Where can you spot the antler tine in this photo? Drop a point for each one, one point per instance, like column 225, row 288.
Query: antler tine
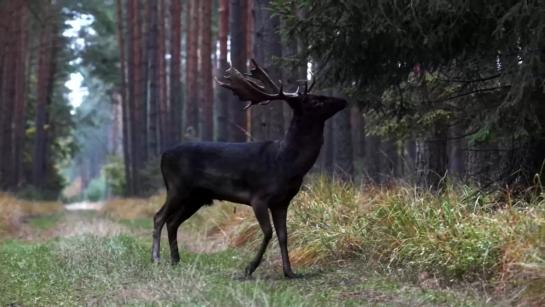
column 256, row 87
column 311, row 86
column 260, row 74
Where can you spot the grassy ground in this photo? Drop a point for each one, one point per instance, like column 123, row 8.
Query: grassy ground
column 100, row 267
column 354, row 246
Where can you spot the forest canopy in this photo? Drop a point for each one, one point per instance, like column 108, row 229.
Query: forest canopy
column 437, row 89
column 423, row 67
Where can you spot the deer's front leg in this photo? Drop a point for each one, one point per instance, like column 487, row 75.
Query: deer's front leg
column 262, row 215
column 279, row 215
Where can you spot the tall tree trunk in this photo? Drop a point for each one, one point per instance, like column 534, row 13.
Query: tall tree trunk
column 175, row 72
column 192, row 108
column 4, row 21
column 205, row 73
column 342, row 144
column 389, row 161
column 358, row 139
column 431, row 159
column 237, row 26
column 372, row 159
column 456, row 152
column 267, row 122
column 124, row 98
column 8, row 95
column 328, row 151
column 43, row 98
column 143, row 112
column 164, row 121
column 153, row 77
column 135, row 73
column 20, row 93
column 223, row 94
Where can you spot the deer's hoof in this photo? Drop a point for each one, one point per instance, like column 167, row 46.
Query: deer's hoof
column 248, row 271
column 175, row 261
column 291, row 275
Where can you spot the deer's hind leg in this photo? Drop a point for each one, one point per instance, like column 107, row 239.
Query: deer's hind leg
column 186, row 208
column 159, row 221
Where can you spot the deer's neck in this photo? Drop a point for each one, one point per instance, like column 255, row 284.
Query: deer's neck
column 301, row 145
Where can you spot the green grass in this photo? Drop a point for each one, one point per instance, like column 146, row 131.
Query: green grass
column 354, row 245
column 117, row 270
column 45, row 222
column 138, row 223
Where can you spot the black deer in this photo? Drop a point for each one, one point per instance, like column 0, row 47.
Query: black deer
column 263, row 175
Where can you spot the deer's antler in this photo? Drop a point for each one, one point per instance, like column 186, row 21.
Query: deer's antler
column 256, row 87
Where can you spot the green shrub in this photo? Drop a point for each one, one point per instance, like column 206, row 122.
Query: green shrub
column 114, row 172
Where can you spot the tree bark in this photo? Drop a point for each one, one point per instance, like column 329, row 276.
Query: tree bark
column 20, row 93
column 45, row 80
column 389, row 161
column 175, row 72
column 163, row 119
column 143, row 26
column 205, row 73
column 358, row 139
column 432, row 159
column 237, row 25
column 153, row 76
column 8, row 94
column 342, row 146
column 268, row 121
column 372, row 159
column 135, row 76
column 192, row 108
column 124, row 99
column 222, row 119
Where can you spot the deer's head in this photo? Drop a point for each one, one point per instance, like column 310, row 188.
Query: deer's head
column 258, row 88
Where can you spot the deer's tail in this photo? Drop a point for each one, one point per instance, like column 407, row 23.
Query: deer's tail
column 163, row 170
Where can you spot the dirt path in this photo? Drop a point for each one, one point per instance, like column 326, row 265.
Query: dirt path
column 84, row 205
column 86, row 219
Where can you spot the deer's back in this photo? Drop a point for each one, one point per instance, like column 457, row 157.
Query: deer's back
column 226, row 171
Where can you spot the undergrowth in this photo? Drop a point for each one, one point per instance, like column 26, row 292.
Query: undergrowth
column 13, row 211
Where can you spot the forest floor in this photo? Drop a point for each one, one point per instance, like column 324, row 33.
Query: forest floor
column 84, row 257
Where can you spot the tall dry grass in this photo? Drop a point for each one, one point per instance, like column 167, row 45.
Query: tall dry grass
column 460, row 234
column 13, row 211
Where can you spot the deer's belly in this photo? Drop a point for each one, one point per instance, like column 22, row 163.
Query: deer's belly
column 228, row 189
